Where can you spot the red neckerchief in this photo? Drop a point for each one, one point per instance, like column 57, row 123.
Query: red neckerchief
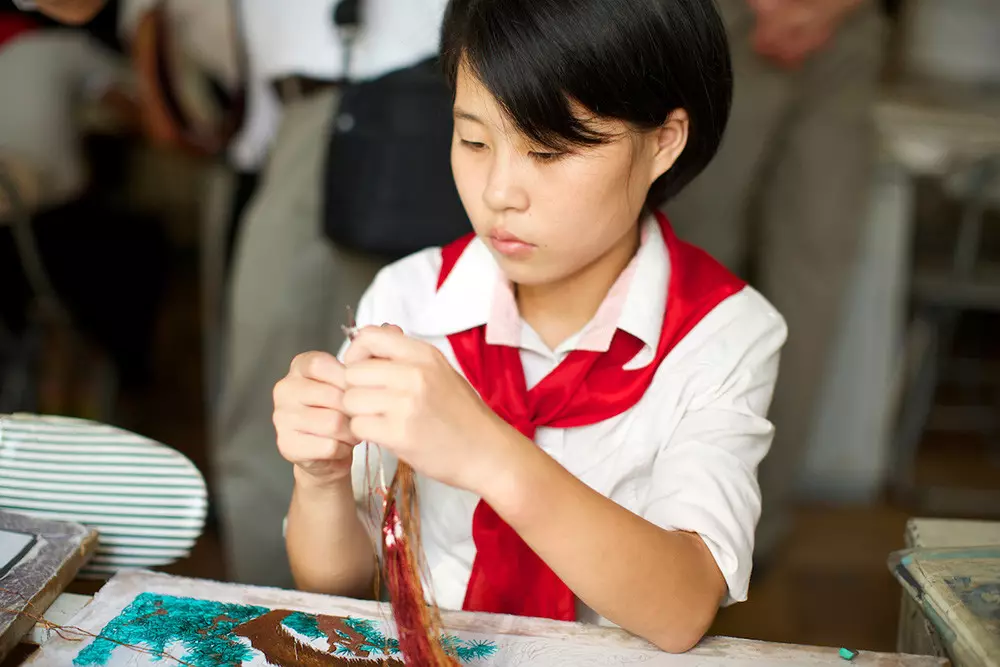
column 586, row 388
column 12, row 25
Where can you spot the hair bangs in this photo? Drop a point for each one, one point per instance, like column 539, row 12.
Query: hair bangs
column 524, row 65
column 557, row 66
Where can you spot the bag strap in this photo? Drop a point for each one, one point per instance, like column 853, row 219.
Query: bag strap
column 347, row 18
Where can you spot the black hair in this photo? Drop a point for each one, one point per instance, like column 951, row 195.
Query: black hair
column 632, row 60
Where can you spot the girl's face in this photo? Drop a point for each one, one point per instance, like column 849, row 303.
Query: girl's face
column 545, row 216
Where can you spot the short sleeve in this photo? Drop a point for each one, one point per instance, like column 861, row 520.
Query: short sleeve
column 704, row 477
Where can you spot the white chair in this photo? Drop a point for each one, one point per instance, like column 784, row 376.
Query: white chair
column 147, row 501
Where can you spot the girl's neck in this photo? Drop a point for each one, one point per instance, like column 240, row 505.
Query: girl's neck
column 559, row 309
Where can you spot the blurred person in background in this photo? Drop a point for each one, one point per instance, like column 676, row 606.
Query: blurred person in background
column 73, row 12
column 107, row 267
column 46, row 75
column 172, row 69
column 289, row 284
column 785, row 200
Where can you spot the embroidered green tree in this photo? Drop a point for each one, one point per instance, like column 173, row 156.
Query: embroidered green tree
column 155, row 622
column 211, row 634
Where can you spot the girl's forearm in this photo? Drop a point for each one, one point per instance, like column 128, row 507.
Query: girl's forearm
column 328, row 548
column 661, row 585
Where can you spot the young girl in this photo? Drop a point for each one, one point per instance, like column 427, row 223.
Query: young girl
column 582, row 395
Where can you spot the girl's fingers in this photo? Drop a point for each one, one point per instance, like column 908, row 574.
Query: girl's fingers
column 359, row 401
column 300, row 448
column 318, row 422
column 383, row 374
column 374, row 428
column 320, row 395
column 296, row 391
column 320, row 366
column 387, row 343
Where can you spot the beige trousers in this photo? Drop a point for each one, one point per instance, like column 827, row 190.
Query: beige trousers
column 288, row 293
column 783, row 204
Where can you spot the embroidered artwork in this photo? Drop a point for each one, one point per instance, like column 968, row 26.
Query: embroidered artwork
column 147, row 619
column 204, row 633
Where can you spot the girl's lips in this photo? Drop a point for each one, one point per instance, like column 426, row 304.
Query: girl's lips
column 509, row 245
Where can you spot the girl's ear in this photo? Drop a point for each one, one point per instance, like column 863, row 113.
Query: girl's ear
column 669, row 142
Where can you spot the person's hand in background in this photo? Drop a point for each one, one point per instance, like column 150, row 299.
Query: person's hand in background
column 789, row 31
column 74, row 12
column 164, row 123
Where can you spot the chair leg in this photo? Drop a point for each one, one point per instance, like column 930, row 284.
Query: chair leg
column 19, row 385
column 28, row 253
column 969, row 243
column 21, row 388
column 917, row 401
column 937, row 325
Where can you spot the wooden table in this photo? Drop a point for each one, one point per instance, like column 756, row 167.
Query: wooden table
column 950, row 572
column 38, row 578
column 265, row 616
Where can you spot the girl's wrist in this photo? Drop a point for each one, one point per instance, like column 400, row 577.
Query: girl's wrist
column 324, row 486
column 504, row 472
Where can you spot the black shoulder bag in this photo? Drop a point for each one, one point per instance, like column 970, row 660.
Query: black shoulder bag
column 388, row 184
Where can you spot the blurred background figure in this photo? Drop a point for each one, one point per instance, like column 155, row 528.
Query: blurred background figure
column 785, row 200
column 104, row 265
column 74, row 102
column 289, row 285
column 73, row 12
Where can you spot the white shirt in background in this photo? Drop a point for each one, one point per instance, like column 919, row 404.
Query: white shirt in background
column 300, row 37
column 204, row 29
column 287, row 38
column 44, row 77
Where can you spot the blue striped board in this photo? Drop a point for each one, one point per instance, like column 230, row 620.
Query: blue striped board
column 147, row 501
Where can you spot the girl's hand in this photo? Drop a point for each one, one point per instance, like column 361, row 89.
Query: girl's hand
column 313, row 431
column 403, row 394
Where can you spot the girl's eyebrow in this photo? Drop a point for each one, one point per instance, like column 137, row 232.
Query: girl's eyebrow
column 465, row 115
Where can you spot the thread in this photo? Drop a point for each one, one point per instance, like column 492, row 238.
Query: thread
column 71, row 633
column 418, row 623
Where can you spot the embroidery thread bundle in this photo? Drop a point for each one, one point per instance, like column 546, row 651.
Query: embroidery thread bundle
column 418, row 623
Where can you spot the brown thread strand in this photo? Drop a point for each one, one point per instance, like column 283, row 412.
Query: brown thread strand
column 404, row 562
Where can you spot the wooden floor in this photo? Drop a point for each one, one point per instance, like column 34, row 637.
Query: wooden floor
column 829, row 586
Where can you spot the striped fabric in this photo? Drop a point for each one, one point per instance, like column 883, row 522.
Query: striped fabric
column 147, row 501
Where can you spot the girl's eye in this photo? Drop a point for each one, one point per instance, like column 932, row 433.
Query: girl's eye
column 474, row 145
column 546, row 157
